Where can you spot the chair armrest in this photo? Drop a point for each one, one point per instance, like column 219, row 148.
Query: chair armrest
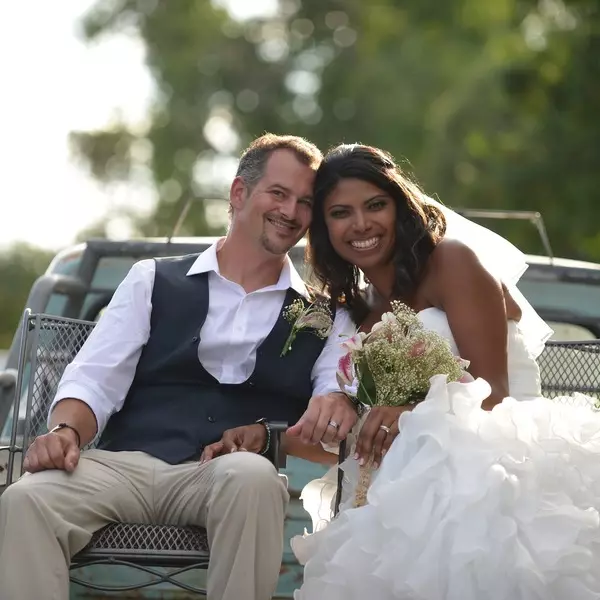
column 276, row 453
column 8, row 378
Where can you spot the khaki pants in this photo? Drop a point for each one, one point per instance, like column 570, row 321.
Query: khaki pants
column 47, row 517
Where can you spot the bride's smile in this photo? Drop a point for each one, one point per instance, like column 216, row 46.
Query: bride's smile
column 365, row 245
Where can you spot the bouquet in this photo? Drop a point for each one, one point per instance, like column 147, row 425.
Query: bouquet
column 392, row 365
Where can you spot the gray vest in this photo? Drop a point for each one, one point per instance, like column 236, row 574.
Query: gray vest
column 174, row 406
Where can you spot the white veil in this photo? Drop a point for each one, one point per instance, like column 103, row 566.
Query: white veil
column 505, row 262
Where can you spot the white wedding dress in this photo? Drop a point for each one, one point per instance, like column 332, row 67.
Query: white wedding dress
column 468, row 504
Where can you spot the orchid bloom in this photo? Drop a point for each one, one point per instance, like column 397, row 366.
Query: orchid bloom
column 345, row 373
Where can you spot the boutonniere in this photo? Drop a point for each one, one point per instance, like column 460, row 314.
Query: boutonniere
column 315, row 317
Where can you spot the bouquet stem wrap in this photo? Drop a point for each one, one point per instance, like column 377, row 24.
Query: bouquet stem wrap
column 365, row 473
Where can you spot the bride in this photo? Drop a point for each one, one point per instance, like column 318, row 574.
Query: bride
column 485, row 489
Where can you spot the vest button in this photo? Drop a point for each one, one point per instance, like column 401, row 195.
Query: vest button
column 211, row 419
column 194, row 339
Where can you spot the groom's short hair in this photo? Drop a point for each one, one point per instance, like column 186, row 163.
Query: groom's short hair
column 255, row 157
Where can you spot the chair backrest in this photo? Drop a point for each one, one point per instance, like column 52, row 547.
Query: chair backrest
column 48, row 345
column 570, row 367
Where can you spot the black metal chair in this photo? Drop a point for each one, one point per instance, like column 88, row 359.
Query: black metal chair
column 48, row 345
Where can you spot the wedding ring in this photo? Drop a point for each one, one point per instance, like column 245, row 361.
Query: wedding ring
column 385, row 428
column 333, row 424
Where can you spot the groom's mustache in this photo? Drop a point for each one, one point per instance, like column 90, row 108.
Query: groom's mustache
column 293, row 223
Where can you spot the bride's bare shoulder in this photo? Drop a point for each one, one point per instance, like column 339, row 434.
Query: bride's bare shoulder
column 453, row 266
column 451, row 254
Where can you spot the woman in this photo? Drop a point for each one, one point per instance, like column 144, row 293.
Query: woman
column 468, row 503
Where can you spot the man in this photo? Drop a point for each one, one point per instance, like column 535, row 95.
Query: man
column 165, row 375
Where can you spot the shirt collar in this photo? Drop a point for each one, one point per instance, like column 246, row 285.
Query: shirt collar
column 207, row 261
column 289, row 278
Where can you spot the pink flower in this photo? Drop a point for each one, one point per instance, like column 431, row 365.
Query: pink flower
column 345, row 375
column 418, row 349
column 466, row 378
column 353, row 343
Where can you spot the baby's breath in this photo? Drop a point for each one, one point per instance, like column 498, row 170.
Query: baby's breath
column 293, row 312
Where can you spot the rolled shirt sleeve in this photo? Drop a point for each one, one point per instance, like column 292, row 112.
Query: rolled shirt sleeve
column 325, row 368
column 103, row 370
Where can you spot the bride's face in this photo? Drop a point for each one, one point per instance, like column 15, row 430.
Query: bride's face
column 361, row 219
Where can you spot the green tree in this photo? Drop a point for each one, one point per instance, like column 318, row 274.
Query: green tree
column 20, row 266
column 492, row 103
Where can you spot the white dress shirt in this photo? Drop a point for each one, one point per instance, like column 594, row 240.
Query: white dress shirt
column 236, row 324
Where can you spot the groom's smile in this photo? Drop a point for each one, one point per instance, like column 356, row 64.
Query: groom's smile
column 283, row 225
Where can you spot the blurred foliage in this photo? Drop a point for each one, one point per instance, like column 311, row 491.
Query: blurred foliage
column 493, row 103
column 20, row 265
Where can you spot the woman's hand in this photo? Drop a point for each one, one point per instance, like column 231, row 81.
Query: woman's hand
column 374, row 437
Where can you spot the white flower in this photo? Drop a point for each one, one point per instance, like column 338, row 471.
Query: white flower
column 387, row 318
column 462, row 363
column 316, row 320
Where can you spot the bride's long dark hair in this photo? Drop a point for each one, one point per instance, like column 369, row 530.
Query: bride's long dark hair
column 419, row 226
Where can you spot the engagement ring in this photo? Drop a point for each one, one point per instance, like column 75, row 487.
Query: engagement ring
column 333, row 424
column 385, row 428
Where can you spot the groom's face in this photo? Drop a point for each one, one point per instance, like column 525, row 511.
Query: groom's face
column 277, row 210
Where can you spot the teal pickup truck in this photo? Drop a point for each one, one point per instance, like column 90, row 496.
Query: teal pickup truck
column 81, row 280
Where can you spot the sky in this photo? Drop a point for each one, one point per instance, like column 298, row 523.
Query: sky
column 51, row 83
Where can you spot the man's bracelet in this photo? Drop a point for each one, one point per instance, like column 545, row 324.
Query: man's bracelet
column 265, row 424
column 67, row 426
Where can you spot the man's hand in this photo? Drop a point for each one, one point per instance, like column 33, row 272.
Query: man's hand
column 248, row 438
column 327, row 419
column 58, row 450
column 374, row 437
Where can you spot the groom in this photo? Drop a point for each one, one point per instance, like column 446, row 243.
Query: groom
column 167, row 373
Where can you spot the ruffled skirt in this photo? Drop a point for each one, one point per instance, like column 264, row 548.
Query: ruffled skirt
column 469, row 505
